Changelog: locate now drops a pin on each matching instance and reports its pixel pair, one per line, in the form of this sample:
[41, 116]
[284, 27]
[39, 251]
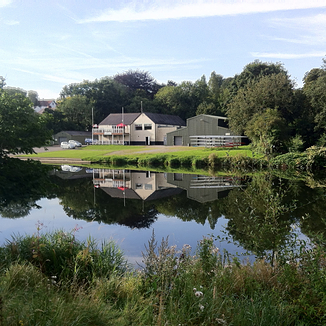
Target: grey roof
[116, 118]
[76, 133]
[165, 119]
[129, 118]
[209, 116]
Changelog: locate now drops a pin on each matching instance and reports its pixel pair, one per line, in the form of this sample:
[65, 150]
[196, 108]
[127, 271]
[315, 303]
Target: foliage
[296, 143]
[314, 158]
[138, 81]
[21, 128]
[256, 215]
[176, 287]
[19, 191]
[269, 92]
[61, 256]
[314, 89]
[77, 112]
[268, 131]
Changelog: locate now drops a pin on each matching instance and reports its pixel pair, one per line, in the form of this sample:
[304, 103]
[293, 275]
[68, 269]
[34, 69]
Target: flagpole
[123, 130]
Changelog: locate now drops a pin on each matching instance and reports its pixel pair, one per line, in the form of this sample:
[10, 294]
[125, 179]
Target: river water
[257, 214]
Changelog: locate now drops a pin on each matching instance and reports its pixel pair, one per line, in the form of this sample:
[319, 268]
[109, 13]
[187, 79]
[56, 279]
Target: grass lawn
[99, 151]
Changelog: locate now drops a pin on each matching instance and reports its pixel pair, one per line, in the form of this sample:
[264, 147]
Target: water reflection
[260, 212]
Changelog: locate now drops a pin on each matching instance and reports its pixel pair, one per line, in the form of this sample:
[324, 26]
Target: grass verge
[174, 287]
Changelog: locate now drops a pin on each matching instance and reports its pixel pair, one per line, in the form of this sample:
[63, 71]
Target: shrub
[60, 255]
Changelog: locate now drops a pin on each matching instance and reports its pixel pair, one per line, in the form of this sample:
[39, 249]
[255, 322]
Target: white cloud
[11, 22]
[288, 55]
[159, 10]
[4, 3]
[309, 30]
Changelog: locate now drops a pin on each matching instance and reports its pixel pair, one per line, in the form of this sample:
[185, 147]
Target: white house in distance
[45, 104]
[136, 128]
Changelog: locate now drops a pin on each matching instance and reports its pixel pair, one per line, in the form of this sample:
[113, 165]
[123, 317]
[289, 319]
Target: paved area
[48, 149]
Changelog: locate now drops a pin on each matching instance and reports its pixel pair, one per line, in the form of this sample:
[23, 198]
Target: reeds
[53, 279]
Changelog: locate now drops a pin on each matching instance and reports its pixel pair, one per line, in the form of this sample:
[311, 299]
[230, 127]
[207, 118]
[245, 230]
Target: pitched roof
[116, 118]
[76, 133]
[165, 119]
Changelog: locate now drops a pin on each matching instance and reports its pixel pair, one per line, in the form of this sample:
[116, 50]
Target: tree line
[261, 102]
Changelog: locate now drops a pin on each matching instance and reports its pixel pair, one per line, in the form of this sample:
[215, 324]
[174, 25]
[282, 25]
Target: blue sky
[45, 45]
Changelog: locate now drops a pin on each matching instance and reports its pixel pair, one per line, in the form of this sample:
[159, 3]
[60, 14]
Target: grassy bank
[163, 156]
[53, 279]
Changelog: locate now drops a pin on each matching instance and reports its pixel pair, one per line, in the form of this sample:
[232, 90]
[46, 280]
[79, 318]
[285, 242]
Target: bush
[60, 255]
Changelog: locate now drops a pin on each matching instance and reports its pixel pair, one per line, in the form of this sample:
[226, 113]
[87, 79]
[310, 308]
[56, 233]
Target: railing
[110, 142]
[110, 131]
[216, 141]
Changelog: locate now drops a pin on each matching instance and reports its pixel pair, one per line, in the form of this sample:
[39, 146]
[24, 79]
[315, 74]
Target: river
[258, 213]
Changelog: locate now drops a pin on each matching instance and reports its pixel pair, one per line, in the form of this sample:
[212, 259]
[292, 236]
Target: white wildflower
[199, 294]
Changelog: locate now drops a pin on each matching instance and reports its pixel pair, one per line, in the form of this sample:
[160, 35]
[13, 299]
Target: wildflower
[54, 276]
[199, 294]
[201, 307]
[194, 289]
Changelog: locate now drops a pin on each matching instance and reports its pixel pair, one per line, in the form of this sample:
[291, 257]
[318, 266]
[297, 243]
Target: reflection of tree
[257, 215]
[190, 210]
[15, 210]
[22, 183]
[311, 212]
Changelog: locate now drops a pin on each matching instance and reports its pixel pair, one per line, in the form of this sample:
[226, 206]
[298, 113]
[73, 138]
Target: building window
[138, 127]
[139, 186]
[148, 186]
[147, 127]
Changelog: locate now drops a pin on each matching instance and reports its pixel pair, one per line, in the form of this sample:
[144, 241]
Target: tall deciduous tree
[21, 128]
[107, 95]
[77, 111]
[315, 90]
[137, 80]
[2, 82]
[271, 92]
[33, 96]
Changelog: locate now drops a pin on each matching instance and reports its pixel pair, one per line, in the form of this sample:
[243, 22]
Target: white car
[65, 144]
[69, 168]
[75, 142]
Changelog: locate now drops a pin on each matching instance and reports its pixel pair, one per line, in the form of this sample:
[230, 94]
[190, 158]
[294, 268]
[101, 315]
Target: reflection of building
[72, 172]
[204, 188]
[143, 185]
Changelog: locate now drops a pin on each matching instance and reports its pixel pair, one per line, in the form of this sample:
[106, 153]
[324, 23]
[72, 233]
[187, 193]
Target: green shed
[71, 135]
[204, 130]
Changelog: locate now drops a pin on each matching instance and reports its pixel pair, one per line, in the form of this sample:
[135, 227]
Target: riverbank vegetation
[54, 279]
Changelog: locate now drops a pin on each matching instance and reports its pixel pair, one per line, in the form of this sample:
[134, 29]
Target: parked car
[75, 142]
[89, 141]
[67, 145]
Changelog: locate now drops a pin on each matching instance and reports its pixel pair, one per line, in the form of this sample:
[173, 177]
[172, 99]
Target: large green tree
[315, 90]
[183, 100]
[139, 82]
[77, 112]
[21, 128]
[273, 96]
[108, 96]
